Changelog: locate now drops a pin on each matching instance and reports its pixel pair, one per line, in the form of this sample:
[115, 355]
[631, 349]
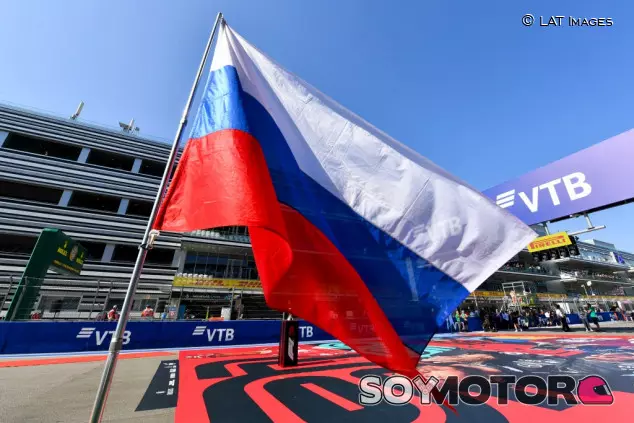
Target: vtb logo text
[100, 337]
[575, 185]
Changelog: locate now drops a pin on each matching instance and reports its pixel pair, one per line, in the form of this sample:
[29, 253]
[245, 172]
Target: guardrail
[38, 337]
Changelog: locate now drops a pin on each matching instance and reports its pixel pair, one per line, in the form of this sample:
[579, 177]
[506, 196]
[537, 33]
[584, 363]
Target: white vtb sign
[225, 335]
[100, 336]
[575, 186]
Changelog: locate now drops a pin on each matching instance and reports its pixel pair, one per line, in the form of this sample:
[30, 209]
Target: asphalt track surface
[245, 384]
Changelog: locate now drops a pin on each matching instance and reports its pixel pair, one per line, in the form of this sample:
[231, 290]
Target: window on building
[17, 244]
[86, 200]
[160, 256]
[111, 160]
[29, 192]
[155, 256]
[220, 265]
[57, 304]
[94, 250]
[125, 254]
[232, 230]
[589, 254]
[152, 168]
[42, 147]
[139, 208]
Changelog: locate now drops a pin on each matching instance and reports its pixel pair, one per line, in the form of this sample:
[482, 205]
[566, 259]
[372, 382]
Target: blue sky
[462, 82]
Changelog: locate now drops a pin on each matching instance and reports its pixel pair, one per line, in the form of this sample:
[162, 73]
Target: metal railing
[586, 274]
[80, 299]
[211, 234]
[72, 299]
[82, 122]
[523, 269]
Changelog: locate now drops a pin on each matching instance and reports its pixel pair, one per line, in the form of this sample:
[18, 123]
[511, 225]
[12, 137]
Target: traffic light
[573, 248]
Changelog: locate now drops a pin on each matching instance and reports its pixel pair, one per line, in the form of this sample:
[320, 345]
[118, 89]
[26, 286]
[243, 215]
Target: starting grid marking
[220, 380]
[222, 386]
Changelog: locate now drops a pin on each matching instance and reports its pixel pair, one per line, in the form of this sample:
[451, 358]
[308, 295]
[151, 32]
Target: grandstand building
[97, 185]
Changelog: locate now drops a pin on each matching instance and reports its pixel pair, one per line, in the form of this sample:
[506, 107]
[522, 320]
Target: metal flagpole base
[104, 385]
[148, 239]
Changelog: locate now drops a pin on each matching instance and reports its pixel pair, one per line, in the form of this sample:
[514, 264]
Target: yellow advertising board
[489, 293]
[560, 239]
[547, 296]
[188, 282]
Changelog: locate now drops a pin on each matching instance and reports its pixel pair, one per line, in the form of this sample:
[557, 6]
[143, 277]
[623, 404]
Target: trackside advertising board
[58, 337]
[47, 337]
[598, 176]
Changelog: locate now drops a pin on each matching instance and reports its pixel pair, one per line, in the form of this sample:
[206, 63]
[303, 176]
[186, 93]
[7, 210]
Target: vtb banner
[593, 178]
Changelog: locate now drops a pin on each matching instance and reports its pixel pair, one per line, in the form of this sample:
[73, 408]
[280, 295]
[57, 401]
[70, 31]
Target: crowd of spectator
[523, 268]
[494, 320]
[589, 274]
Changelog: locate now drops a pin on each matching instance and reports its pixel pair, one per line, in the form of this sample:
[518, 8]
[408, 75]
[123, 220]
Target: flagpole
[148, 240]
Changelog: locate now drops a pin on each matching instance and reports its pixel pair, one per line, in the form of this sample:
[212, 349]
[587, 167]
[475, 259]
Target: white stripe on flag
[385, 182]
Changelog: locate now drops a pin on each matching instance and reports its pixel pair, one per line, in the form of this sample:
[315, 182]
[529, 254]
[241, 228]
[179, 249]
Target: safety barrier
[38, 337]
[41, 337]
[474, 324]
[603, 317]
[67, 337]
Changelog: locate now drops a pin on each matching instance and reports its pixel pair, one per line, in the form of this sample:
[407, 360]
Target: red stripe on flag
[222, 180]
[322, 287]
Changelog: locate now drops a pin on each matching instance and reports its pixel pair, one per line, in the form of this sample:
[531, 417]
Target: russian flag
[351, 230]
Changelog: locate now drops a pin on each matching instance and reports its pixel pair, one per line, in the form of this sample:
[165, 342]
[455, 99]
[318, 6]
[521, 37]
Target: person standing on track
[594, 318]
[564, 321]
[583, 314]
[515, 318]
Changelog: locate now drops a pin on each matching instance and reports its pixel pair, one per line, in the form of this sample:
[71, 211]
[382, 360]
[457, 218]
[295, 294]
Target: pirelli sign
[560, 239]
[188, 282]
